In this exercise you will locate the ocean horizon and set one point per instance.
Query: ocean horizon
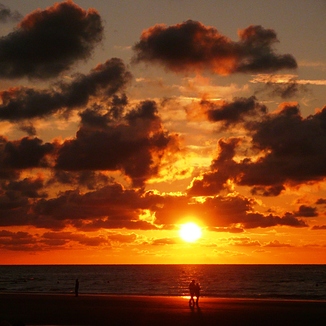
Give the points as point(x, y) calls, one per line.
point(306, 282)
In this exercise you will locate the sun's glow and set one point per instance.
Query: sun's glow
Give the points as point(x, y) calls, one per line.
point(190, 232)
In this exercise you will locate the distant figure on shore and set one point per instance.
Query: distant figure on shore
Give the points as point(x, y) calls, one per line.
point(197, 293)
point(192, 287)
point(76, 287)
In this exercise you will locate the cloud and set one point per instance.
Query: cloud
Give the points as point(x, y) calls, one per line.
point(267, 191)
point(286, 149)
point(223, 168)
point(244, 242)
point(114, 207)
point(27, 187)
point(222, 212)
point(320, 201)
point(6, 15)
point(47, 42)
point(21, 241)
point(24, 153)
point(227, 229)
point(294, 148)
point(191, 46)
point(284, 86)
point(163, 242)
point(26, 103)
point(306, 211)
point(277, 244)
point(319, 227)
point(285, 79)
point(90, 179)
point(134, 145)
point(28, 128)
point(61, 238)
point(231, 113)
point(122, 238)
point(110, 207)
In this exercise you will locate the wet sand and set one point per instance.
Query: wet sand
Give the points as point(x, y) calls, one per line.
point(65, 309)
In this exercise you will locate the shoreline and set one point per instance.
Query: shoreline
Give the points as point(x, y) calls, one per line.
point(103, 309)
point(85, 294)
point(162, 296)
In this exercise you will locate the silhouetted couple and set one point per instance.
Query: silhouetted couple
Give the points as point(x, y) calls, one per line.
point(194, 289)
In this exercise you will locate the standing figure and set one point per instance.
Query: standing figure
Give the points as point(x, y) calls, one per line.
point(192, 286)
point(197, 293)
point(76, 287)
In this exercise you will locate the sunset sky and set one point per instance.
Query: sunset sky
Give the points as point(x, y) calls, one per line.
point(121, 121)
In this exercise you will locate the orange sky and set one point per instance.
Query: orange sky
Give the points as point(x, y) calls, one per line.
point(115, 131)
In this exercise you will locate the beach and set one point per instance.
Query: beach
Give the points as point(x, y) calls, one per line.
point(66, 309)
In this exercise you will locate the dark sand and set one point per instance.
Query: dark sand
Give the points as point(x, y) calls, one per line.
point(61, 309)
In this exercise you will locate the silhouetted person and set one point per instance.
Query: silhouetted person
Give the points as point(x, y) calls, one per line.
point(197, 293)
point(192, 286)
point(76, 287)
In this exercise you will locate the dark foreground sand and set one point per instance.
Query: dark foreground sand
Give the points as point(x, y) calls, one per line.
point(44, 309)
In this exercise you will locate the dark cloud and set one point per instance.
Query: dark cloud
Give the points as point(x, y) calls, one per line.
point(122, 238)
point(319, 227)
point(22, 241)
point(290, 149)
point(27, 187)
point(193, 46)
point(26, 103)
point(257, 53)
point(67, 207)
point(222, 169)
point(231, 113)
point(321, 201)
point(238, 210)
point(61, 238)
point(47, 42)
point(223, 213)
point(28, 128)
point(114, 207)
point(284, 90)
point(267, 191)
point(115, 110)
point(6, 15)
point(135, 145)
point(306, 211)
point(90, 179)
point(296, 148)
point(25, 153)
point(111, 207)
point(6, 172)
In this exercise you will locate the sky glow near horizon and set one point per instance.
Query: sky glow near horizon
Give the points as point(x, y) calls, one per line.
point(120, 121)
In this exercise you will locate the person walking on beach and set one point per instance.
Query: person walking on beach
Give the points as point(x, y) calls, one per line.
point(197, 293)
point(192, 286)
point(76, 287)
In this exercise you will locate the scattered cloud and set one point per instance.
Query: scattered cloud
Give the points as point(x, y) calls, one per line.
point(277, 244)
point(194, 46)
point(96, 186)
point(48, 42)
point(306, 211)
point(319, 227)
point(288, 149)
point(6, 15)
point(22, 103)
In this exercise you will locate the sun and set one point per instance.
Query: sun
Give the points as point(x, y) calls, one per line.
point(190, 232)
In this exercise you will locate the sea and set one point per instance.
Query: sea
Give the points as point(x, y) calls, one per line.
point(301, 282)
